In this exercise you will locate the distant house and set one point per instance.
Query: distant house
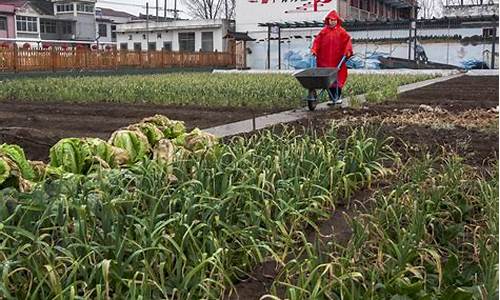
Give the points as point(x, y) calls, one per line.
point(7, 23)
point(106, 21)
point(53, 20)
point(175, 35)
point(80, 13)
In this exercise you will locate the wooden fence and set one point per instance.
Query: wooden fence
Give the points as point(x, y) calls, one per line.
point(20, 60)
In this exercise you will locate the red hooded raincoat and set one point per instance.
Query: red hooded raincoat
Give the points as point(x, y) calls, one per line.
point(330, 45)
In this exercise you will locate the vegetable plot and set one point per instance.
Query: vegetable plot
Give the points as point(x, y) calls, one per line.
point(433, 235)
point(150, 138)
point(134, 232)
point(201, 89)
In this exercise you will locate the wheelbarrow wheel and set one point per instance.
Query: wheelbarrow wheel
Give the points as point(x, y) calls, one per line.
point(312, 100)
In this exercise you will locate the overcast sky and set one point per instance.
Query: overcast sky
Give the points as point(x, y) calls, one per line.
point(139, 6)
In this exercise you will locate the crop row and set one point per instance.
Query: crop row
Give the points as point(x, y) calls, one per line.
point(433, 235)
point(202, 89)
point(130, 233)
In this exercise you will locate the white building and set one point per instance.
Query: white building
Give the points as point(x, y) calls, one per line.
point(249, 13)
point(178, 35)
point(284, 31)
point(106, 21)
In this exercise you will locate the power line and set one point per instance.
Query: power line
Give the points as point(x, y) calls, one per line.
point(135, 5)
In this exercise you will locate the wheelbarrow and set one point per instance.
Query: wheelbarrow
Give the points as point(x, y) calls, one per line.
point(314, 79)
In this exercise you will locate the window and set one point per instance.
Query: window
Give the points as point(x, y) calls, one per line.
point(129, 37)
point(123, 46)
point(488, 32)
point(66, 28)
point(47, 26)
point(27, 24)
point(67, 7)
point(113, 32)
point(207, 41)
point(158, 35)
point(167, 46)
point(152, 46)
point(103, 30)
point(3, 23)
point(85, 7)
point(186, 41)
point(137, 46)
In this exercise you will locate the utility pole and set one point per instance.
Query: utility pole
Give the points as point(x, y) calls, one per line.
point(279, 47)
point(157, 17)
point(415, 33)
point(448, 44)
point(147, 25)
point(268, 47)
point(225, 5)
point(175, 9)
point(493, 41)
point(409, 40)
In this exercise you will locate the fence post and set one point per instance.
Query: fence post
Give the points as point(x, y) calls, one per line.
point(86, 60)
point(115, 55)
point(53, 56)
point(15, 58)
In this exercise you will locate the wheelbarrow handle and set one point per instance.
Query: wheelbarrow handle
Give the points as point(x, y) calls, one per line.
point(341, 62)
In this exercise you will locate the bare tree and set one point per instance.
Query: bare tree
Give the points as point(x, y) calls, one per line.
point(210, 9)
point(204, 9)
point(231, 9)
point(430, 8)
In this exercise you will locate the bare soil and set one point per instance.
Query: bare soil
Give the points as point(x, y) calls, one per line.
point(36, 126)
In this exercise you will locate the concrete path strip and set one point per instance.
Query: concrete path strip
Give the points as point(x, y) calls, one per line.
point(300, 113)
point(486, 72)
point(437, 72)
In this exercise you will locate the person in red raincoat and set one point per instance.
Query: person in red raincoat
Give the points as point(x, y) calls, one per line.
point(330, 45)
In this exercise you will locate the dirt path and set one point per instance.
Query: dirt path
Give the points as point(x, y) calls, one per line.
point(37, 126)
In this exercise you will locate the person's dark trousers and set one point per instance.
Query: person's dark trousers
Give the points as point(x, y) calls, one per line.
point(336, 92)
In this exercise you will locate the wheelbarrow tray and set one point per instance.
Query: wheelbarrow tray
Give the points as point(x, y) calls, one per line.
point(317, 78)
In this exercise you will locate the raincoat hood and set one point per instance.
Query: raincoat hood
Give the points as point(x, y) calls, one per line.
point(335, 16)
point(331, 45)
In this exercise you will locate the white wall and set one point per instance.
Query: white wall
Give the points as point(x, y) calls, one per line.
point(170, 32)
point(251, 12)
point(171, 36)
point(296, 51)
point(110, 20)
point(453, 52)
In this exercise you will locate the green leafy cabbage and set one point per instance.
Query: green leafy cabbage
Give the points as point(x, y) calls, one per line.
point(198, 140)
point(16, 155)
point(150, 130)
point(4, 170)
point(71, 155)
point(170, 128)
point(134, 142)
